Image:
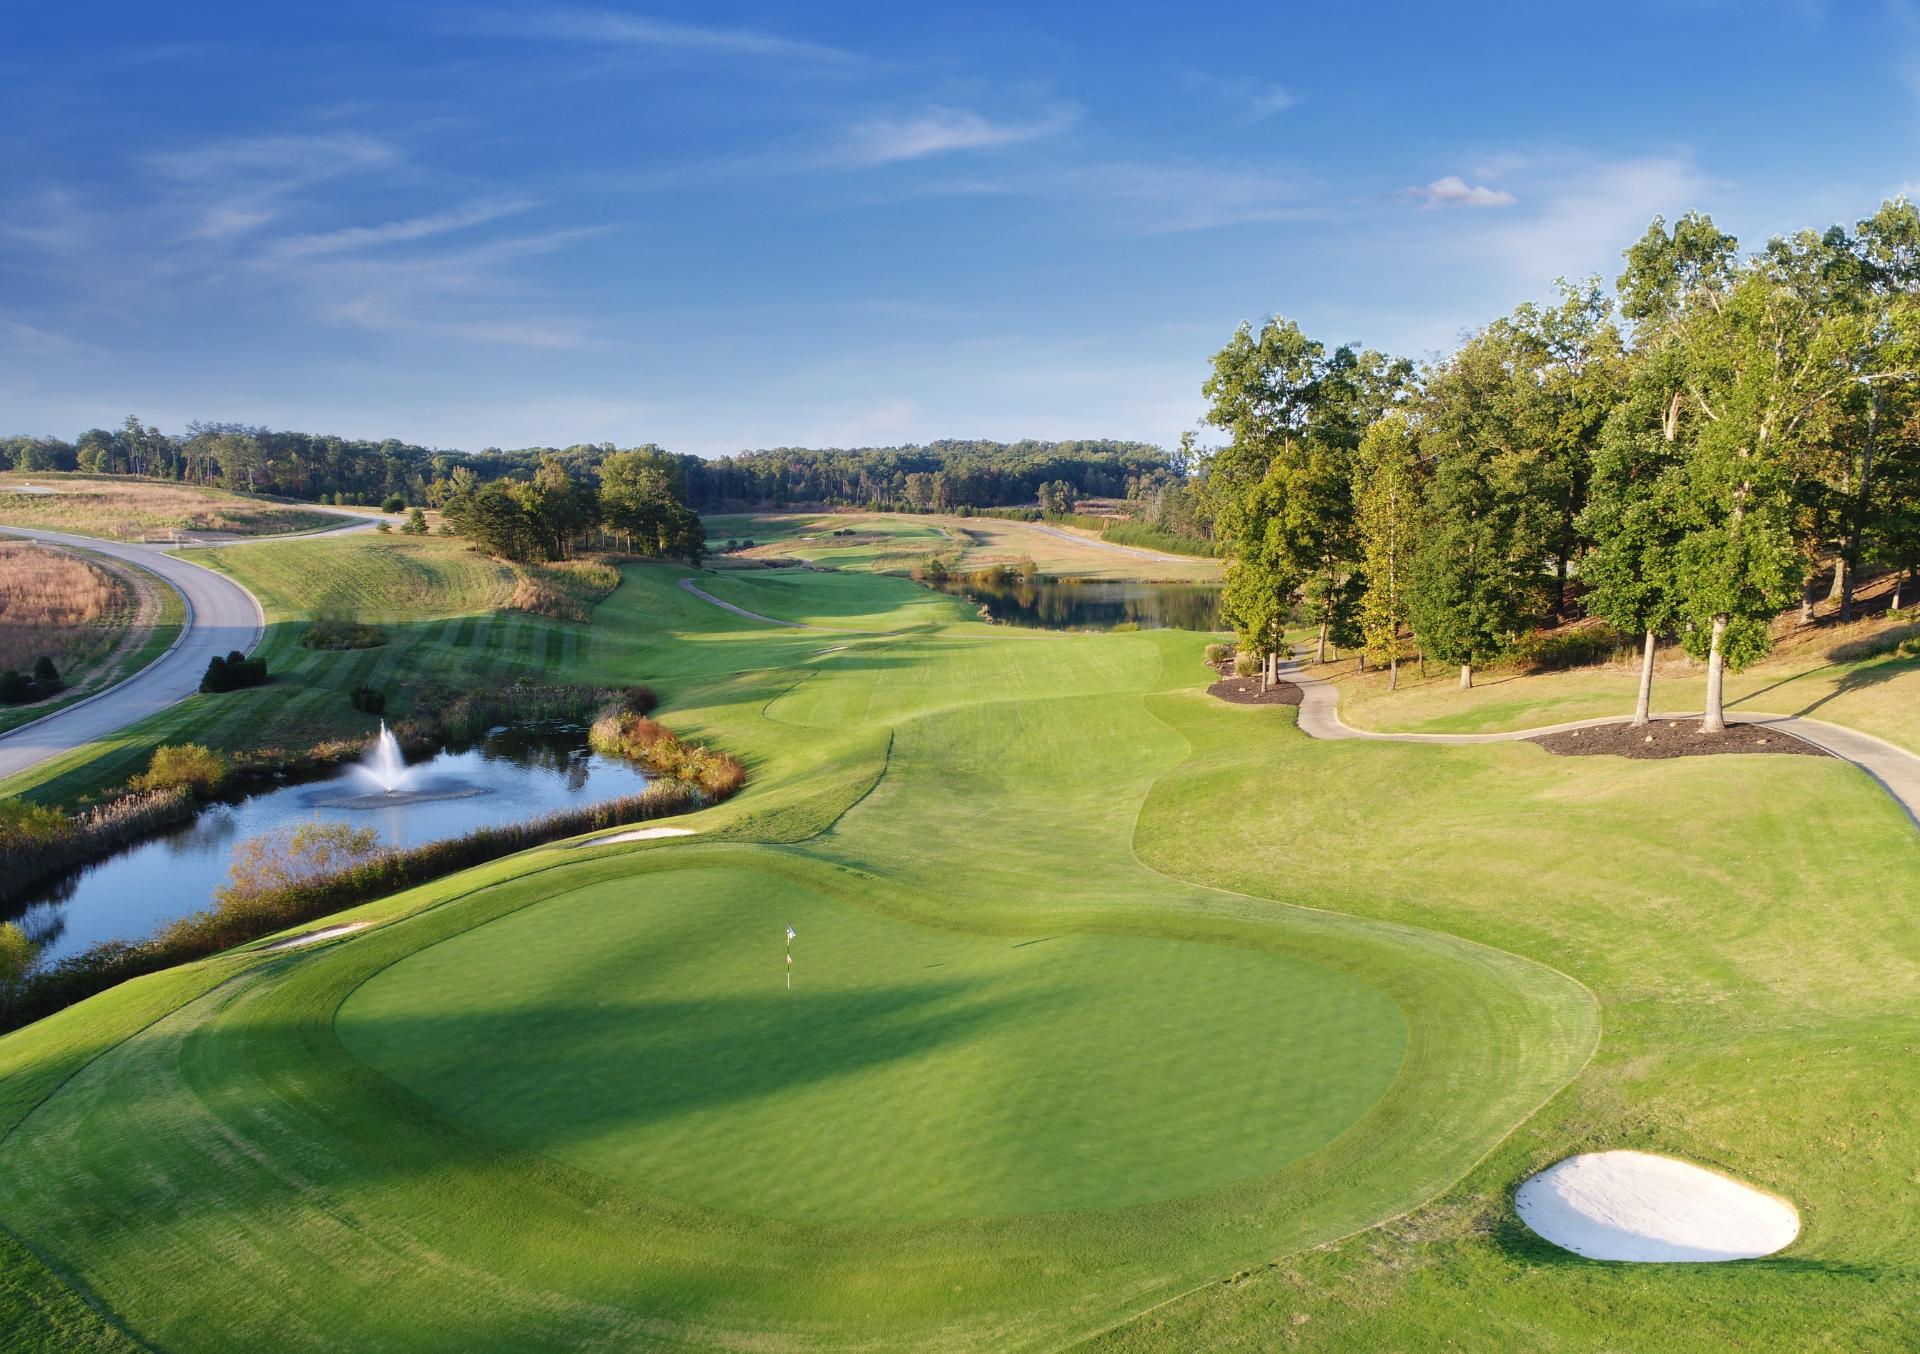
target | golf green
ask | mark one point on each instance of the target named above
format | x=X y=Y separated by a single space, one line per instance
x=644 y=1030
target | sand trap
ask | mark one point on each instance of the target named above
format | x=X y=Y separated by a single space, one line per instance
x=324 y=933
x=641 y=834
x=1638 y=1206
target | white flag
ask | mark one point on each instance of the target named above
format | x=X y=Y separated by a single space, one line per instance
x=789 y=935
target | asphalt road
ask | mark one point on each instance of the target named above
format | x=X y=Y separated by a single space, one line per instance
x=221 y=616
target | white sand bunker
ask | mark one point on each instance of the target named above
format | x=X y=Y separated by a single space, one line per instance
x=1638 y=1206
x=641 y=834
x=311 y=937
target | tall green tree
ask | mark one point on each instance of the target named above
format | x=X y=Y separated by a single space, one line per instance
x=1386 y=494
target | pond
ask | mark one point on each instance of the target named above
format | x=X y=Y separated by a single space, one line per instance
x=1094 y=604
x=509 y=775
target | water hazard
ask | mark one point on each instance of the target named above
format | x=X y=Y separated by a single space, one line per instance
x=509 y=775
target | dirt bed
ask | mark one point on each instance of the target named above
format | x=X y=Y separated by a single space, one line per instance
x=1246 y=691
x=1679 y=738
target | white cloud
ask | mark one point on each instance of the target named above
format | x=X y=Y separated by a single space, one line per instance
x=941 y=130
x=396 y=232
x=1454 y=191
x=1588 y=213
x=609 y=28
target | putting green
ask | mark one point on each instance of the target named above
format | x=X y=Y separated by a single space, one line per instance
x=644 y=1031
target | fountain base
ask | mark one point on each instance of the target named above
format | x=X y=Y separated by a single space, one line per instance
x=392 y=799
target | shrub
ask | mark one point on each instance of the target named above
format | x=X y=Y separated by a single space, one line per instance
x=932 y=569
x=1218 y=654
x=335 y=626
x=369 y=701
x=383 y=526
x=1143 y=537
x=1570 y=647
x=416 y=523
x=45 y=673
x=288 y=856
x=187 y=766
x=1246 y=665
x=651 y=744
x=234 y=671
x=25 y=826
x=15 y=688
x=393 y=503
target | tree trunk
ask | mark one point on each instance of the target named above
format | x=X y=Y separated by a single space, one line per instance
x=1466 y=676
x=1850 y=551
x=1320 y=655
x=1839 y=587
x=1362 y=657
x=1715 y=720
x=1393 y=674
x=1643 y=706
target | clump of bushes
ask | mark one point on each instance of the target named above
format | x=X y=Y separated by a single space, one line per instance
x=393 y=503
x=18 y=688
x=1246 y=665
x=233 y=672
x=183 y=766
x=416 y=523
x=36 y=841
x=568 y=589
x=1218 y=654
x=654 y=746
x=368 y=700
x=932 y=569
x=1569 y=647
x=336 y=626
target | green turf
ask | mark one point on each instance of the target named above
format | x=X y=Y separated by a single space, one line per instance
x=560 y=1100
x=644 y=1034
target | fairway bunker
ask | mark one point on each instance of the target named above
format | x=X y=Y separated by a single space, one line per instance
x=641 y=834
x=1638 y=1206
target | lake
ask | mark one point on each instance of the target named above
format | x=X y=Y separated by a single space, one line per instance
x=511 y=774
x=1094 y=604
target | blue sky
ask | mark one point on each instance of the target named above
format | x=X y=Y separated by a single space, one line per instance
x=725 y=226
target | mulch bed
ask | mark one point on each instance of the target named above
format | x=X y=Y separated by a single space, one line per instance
x=1677 y=738
x=1246 y=691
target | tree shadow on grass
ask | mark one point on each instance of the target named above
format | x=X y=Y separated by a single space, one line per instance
x=1861 y=679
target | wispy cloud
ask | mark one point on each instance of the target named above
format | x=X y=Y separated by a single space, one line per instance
x=939 y=131
x=1454 y=191
x=1588 y=211
x=1158 y=198
x=1249 y=101
x=241 y=182
x=272 y=158
x=611 y=28
x=396 y=232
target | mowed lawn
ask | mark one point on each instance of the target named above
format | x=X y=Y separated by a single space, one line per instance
x=1117 y=1013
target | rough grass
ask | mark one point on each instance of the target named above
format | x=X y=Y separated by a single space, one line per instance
x=232 y=1175
x=57 y=604
x=568 y=590
x=133 y=510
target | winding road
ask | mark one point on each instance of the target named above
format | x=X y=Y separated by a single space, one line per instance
x=221 y=616
x=1896 y=769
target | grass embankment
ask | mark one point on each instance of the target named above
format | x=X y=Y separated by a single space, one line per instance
x=135 y=510
x=1048 y=959
x=1810 y=676
x=99 y=620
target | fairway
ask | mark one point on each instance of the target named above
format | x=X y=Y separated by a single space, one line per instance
x=1096 y=999
x=645 y=1033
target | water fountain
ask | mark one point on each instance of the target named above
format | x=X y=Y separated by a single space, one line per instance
x=383 y=764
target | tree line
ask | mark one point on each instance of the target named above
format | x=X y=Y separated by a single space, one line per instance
x=937 y=477
x=1721 y=437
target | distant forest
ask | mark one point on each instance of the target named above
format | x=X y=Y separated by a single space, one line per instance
x=938 y=476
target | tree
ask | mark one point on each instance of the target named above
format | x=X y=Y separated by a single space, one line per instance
x=1056 y=496
x=1764 y=373
x=558 y=506
x=638 y=501
x=17 y=956
x=1386 y=492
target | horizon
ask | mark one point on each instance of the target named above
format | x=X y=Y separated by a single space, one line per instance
x=720 y=230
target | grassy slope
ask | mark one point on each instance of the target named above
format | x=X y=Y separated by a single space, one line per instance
x=1748 y=930
x=1877 y=695
x=1751 y=931
x=131 y=509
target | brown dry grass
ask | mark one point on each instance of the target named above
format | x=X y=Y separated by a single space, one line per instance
x=569 y=590
x=132 y=510
x=57 y=604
